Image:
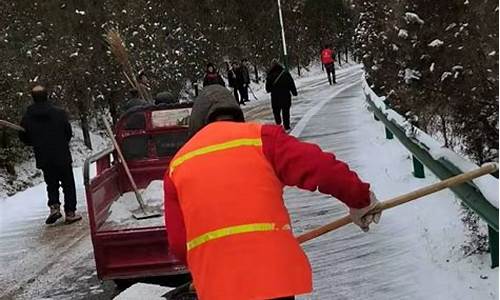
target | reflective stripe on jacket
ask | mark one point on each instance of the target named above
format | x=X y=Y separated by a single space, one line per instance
x=239 y=241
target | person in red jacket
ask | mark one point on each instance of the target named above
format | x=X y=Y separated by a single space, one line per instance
x=328 y=60
x=224 y=211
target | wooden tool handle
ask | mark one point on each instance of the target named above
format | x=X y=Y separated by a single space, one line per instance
x=124 y=163
x=427 y=190
x=8 y=124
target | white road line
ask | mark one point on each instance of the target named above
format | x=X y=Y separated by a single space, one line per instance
x=297 y=130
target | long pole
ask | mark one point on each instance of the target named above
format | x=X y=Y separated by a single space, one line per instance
x=417 y=194
x=285 y=54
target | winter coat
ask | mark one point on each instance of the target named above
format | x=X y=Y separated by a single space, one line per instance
x=47 y=129
x=213 y=78
x=238 y=77
x=296 y=163
x=281 y=85
x=327 y=56
x=245 y=74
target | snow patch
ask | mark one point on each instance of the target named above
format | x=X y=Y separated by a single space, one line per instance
x=121 y=209
x=143 y=291
x=436 y=43
x=403 y=33
x=411 y=75
x=413 y=18
x=445 y=75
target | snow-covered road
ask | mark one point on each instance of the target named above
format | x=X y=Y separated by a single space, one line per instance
x=413 y=254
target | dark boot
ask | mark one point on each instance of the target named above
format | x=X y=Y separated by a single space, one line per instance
x=72 y=217
x=55 y=214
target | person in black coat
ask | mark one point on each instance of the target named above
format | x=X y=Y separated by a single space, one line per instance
x=280 y=84
x=239 y=81
x=47 y=129
x=212 y=76
x=246 y=77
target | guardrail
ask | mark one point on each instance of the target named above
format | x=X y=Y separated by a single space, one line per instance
x=479 y=195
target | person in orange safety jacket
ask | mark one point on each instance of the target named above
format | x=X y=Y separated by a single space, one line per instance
x=224 y=208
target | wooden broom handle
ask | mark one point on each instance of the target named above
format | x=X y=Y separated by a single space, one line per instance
x=427 y=190
x=8 y=124
x=124 y=164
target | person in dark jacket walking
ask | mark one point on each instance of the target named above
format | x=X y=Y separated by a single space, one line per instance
x=239 y=82
x=47 y=129
x=280 y=84
x=212 y=76
x=246 y=77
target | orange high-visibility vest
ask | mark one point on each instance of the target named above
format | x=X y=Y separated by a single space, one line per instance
x=240 y=244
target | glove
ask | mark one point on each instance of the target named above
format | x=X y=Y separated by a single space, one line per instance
x=363 y=217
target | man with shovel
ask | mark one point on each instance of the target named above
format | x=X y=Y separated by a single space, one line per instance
x=47 y=129
x=233 y=229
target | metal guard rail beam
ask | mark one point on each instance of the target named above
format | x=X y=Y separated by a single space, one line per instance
x=443 y=169
x=90 y=160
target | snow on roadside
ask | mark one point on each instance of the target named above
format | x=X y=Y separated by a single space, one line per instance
x=487 y=185
x=143 y=291
x=432 y=222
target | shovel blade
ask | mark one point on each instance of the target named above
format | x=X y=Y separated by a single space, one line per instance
x=140 y=214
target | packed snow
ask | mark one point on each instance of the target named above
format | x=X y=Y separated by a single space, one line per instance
x=121 y=209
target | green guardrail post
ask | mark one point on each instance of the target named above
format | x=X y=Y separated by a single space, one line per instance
x=418 y=168
x=388 y=133
x=493 y=243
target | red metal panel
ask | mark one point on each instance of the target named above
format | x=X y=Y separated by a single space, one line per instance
x=131 y=253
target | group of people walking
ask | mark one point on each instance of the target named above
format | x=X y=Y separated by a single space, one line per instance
x=237 y=75
x=279 y=83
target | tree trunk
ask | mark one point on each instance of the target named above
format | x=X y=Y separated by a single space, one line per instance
x=257 y=79
x=8 y=163
x=84 y=122
x=298 y=67
x=339 y=58
x=445 y=131
x=113 y=110
x=346 y=55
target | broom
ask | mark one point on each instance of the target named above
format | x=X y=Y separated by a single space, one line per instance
x=117 y=47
